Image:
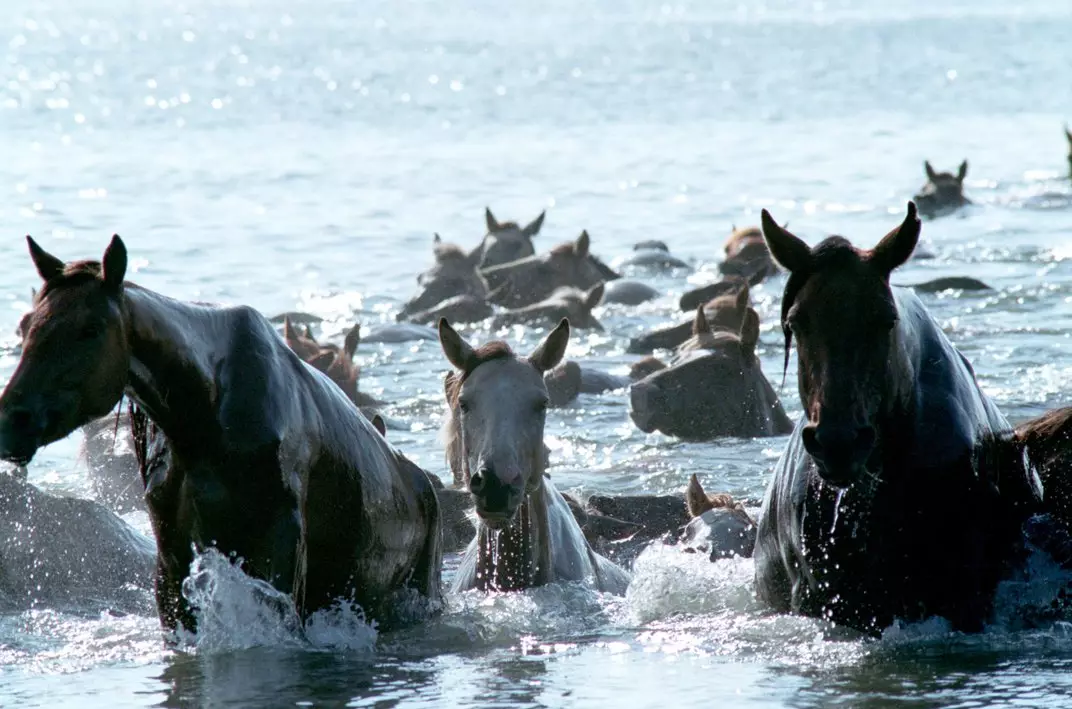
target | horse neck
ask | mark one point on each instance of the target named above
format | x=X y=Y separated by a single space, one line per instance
x=519 y=556
x=171 y=369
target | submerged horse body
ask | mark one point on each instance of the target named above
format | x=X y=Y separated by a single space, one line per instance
x=267 y=459
x=526 y=533
x=897 y=496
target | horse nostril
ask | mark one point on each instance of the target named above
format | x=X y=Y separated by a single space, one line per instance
x=477 y=481
x=20 y=419
x=810 y=438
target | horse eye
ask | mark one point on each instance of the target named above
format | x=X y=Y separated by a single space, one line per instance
x=463 y=406
x=540 y=406
x=91 y=332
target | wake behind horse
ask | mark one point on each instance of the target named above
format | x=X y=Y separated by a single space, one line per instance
x=267 y=461
x=526 y=535
x=896 y=496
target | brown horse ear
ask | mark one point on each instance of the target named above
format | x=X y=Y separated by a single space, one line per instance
x=288 y=329
x=322 y=361
x=581 y=246
x=47 y=265
x=897 y=246
x=352 y=340
x=489 y=219
x=750 y=332
x=962 y=171
x=594 y=295
x=695 y=498
x=931 y=174
x=789 y=251
x=114 y=265
x=379 y=425
x=742 y=297
x=551 y=351
x=534 y=226
x=458 y=351
x=699 y=323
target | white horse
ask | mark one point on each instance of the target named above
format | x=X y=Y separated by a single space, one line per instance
x=526 y=534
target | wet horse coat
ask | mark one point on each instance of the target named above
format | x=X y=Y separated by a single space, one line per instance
x=896 y=496
x=267 y=460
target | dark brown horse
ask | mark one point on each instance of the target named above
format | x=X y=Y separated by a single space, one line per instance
x=723 y=312
x=267 y=460
x=526 y=534
x=943 y=192
x=1048 y=441
x=454 y=274
x=895 y=496
x=707 y=393
x=334 y=361
x=530 y=280
x=506 y=241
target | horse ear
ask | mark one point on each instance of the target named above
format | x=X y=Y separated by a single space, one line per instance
x=379 y=425
x=790 y=252
x=489 y=218
x=594 y=295
x=1068 y=133
x=288 y=329
x=307 y=332
x=534 y=226
x=436 y=240
x=699 y=323
x=322 y=361
x=352 y=340
x=931 y=174
x=742 y=297
x=458 y=351
x=962 y=172
x=733 y=227
x=897 y=246
x=750 y=332
x=551 y=351
x=47 y=265
x=114 y=265
x=583 y=243
x=695 y=498
x=33 y=294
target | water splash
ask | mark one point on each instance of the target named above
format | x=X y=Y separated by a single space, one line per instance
x=837 y=508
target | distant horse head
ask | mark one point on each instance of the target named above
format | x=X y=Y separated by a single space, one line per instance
x=507 y=241
x=747 y=256
x=454 y=273
x=498 y=404
x=725 y=313
x=75 y=353
x=303 y=343
x=566 y=302
x=530 y=280
x=943 y=191
x=839 y=306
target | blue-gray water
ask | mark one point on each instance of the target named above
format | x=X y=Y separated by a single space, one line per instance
x=300 y=156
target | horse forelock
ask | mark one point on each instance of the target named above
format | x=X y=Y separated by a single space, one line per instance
x=75 y=274
x=450 y=252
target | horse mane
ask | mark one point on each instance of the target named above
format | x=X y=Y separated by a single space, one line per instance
x=567 y=248
x=75 y=273
x=452 y=389
x=450 y=252
x=1052 y=423
x=832 y=252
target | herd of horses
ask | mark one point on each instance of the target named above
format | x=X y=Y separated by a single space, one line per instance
x=902 y=492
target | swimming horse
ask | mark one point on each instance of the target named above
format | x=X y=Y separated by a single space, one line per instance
x=268 y=461
x=526 y=534
x=896 y=497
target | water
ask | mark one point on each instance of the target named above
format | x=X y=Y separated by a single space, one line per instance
x=300 y=156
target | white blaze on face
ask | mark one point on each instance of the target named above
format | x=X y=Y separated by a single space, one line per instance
x=503 y=408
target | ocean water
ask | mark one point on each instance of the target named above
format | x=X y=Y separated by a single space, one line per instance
x=301 y=155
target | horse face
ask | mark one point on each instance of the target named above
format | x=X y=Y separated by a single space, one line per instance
x=746 y=254
x=942 y=192
x=507 y=241
x=75 y=355
x=455 y=273
x=839 y=306
x=498 y=408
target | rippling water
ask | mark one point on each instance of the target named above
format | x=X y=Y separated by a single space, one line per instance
x=300 y=156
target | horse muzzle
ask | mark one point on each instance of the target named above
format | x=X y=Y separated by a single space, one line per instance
x=645 y=405
x=496 y=502
x=21 y=430
x=840 y=452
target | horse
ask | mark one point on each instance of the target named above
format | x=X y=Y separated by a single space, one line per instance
x=652 y=255
x=506 y=241
x=898 y=496
x=454 y=274
x=1047 y=440
x=719 y=525
x=334 y=361
x=943 y=192
x=267 y=460
x=532 y=279
x=712 y=392
x=526 y=534
x=569 y=379
x=747 y=256
x=722 y=312
x=565 y=302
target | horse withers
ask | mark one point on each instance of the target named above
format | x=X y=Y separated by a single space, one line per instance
x=526 y=534
x=267 y=459
x=897 y=496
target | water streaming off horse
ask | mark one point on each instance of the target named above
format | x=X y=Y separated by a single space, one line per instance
x=301 y=158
